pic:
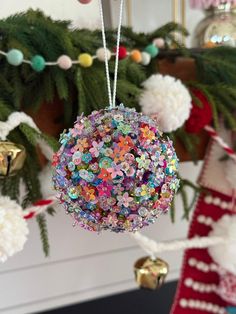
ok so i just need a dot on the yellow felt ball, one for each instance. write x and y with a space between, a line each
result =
136 56
85 60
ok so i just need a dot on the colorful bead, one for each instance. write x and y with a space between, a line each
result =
105 162
152 50
100 53
64 62
85 60
38 63
15 57
136 56
73 193
113 171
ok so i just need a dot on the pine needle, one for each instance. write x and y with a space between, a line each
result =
42 223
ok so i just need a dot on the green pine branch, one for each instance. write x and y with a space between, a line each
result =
42 222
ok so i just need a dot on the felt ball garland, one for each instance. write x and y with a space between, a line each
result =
15 57
115 171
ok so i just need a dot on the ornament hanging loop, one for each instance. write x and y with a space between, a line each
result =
111 97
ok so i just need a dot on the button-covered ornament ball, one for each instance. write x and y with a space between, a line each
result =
115 171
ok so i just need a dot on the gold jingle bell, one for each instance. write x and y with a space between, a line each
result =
150 273
12 158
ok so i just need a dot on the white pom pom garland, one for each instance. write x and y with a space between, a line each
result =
167 99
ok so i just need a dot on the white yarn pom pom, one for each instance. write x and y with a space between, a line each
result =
146 58
225 254
167 99
13 228
100 53
230 172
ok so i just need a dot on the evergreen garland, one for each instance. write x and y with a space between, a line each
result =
34 33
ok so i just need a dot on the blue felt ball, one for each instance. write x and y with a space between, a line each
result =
15 57
38 63
152 50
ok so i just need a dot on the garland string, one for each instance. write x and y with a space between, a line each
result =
153 248
112 98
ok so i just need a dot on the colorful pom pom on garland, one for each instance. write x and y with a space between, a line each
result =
122 52
64 62
152 50
146 58
38 63
159 42
115 171
85 60
14 57
100 53
136 56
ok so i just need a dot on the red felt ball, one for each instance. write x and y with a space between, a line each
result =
201 113
122 52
